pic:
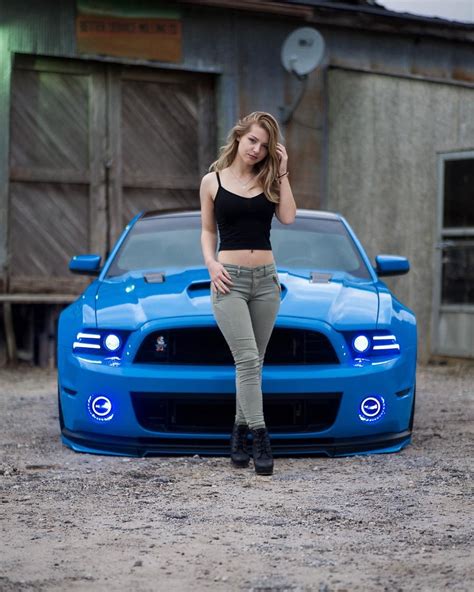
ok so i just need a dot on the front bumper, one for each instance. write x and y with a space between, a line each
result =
81 378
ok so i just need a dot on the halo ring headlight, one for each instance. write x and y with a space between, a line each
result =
361 343
112 342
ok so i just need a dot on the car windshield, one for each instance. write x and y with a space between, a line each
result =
317 244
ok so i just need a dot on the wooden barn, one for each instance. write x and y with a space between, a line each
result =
110 107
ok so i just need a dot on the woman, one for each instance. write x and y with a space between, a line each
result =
249 183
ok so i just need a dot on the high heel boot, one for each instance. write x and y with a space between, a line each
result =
262 451
238 446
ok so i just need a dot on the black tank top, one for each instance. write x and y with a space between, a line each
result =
243 222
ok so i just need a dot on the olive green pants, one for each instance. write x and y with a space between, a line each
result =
246 316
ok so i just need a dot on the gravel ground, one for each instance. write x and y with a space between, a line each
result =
377 522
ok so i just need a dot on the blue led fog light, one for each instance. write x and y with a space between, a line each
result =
372 408
100 408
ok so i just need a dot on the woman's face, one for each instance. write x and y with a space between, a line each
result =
253 146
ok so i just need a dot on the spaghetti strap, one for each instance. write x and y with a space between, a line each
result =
218 178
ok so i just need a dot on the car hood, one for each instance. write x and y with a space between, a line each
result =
127 302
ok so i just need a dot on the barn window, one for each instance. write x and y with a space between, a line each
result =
458 232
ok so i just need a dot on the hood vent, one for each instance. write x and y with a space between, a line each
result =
155 278
320 278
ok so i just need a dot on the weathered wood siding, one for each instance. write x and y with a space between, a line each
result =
50 175
91 145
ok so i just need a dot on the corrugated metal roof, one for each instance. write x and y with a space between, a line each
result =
372 7
300 8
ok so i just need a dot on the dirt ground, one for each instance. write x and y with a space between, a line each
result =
378 522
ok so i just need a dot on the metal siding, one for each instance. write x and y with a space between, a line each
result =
266 86
44 27
399 54
384 135
210 41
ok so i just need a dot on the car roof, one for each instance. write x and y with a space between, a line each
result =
179 212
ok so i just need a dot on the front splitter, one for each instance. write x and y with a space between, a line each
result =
140 447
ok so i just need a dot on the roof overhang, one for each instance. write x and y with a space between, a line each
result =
348 15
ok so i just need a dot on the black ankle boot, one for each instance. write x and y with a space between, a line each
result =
262 451
238 446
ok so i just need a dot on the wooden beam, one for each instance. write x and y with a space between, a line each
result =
98 163
114 154
32 174
37 298
9 332
146 181
5 81
262 6
38 284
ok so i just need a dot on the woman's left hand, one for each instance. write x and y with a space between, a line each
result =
283 157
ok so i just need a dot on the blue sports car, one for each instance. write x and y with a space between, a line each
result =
143 368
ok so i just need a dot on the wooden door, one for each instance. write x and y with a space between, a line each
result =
57 191
92 144
163 126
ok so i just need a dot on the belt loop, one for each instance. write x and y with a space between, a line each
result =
238 270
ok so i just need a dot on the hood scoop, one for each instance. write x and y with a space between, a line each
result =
320 278
155 278
199 288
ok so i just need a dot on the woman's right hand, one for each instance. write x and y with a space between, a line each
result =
220 277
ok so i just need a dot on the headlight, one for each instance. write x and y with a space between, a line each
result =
373 343
361 343
100 342
112 342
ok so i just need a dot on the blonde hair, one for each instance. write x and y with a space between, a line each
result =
268 168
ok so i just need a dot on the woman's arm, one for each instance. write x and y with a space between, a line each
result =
208 222
286 208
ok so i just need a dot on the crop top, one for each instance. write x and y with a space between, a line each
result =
243 222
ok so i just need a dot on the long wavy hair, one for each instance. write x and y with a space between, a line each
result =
268 168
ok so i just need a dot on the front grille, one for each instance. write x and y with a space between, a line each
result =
207 346
210 412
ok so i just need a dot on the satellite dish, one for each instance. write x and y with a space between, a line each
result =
302 51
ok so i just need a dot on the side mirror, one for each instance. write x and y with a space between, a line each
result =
85 264
391 265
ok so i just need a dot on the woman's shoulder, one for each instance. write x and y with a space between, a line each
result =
209 183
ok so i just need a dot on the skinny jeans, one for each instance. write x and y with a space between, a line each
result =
246 317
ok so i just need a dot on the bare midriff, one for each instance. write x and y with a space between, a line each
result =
246 257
